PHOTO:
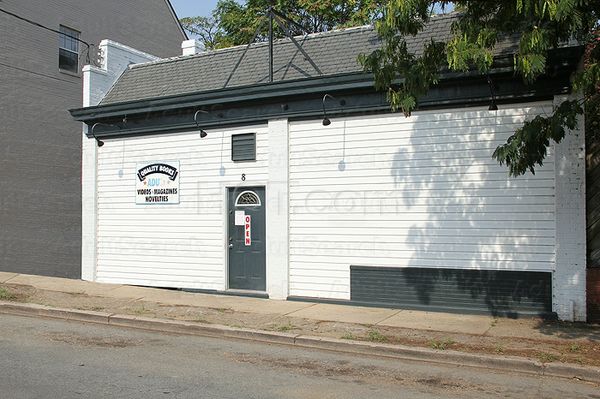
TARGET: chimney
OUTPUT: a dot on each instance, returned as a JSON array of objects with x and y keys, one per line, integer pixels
[{"x": 191, "y": 47}]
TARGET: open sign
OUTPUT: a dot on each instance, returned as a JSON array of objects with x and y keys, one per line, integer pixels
[{"x": 247, "y": 230}]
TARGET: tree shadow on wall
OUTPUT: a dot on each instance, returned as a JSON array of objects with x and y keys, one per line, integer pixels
[{"x": 478, "y": 235}]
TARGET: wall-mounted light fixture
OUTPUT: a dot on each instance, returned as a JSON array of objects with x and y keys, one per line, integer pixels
[
  {"x": 326, "y": 121},
  {"x": 98, "y": 141},
  {"x": 203, "y": 134},
  {"x": 493, "y": 106}
]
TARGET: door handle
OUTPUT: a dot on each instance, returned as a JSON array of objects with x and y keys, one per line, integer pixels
[{"x": 230, "y": 246}]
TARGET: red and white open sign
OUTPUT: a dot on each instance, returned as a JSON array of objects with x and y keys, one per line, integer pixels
[{"x": 247, "y": 229}]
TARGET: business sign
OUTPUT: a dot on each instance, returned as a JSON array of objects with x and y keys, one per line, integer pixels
[
  {"x": 157, "y": 183},
  {"x": 248, "y": 231}
]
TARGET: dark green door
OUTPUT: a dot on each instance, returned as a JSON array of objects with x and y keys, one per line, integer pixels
[{"x": 246, "y": 238}]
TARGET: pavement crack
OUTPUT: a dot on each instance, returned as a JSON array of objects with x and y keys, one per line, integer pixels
[
  {"x": 387, "y": 318},
  {"x": 297, "y": 310}
]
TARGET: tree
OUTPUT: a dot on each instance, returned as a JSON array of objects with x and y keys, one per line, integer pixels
[
  {"x": 542, "y": 25},
  {"x": 206, "y": 28},
  {"x": 235, "y": 24}
]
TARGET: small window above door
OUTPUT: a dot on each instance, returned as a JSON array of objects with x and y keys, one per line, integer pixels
[{"x": 247, "y": 198}]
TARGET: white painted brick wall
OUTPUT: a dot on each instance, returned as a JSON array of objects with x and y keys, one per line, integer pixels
[
  {"x": 190, "y": 47},
  {"x": 114, "y": 59},
  {"x": 569, "y": 279},
  {"x": 97, "y": 81}
]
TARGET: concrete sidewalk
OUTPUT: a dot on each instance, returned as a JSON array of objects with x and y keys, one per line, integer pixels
[
  {"x": 569, "y": 350},
  {"x": 319, "y": 312}
]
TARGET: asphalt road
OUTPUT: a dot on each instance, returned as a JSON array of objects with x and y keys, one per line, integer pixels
[{"x": 56, "y": 359}]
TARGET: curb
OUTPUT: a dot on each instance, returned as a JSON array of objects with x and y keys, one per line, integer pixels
[{"x": 504, "y": 363}]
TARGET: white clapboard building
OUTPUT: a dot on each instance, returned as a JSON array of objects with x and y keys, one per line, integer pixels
[{"x": 199, "y": 173}]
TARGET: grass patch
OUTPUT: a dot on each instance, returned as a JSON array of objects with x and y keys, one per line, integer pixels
[
  {"x": 285, "y": 327},
  {"x": 441, "y": 345},
  {"x": 141, "y": 310},
  {"x": 547, "y": 357},
  {"x": 91, "y": 308},
  {"x": 499, "y": 349},
  {"x": 376, "y": 336},
  {"x": 574, "y": 348},
  {"x": 6, "y": 295},
  {"x": 348, "y": 335}
]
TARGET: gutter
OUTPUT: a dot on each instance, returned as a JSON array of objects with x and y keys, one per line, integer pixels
[{"x": 226, "y": 96}]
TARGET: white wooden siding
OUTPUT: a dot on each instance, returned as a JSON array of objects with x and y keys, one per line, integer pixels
[
  {"x": 415, "y": 192},
  {"x": 170, "y": 245}
]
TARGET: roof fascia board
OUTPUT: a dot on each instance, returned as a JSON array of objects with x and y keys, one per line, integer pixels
[
  {"x": 446, "y": 95},
  {"x": 249, "y": 93},
  {"x": 228, "y": 95}
]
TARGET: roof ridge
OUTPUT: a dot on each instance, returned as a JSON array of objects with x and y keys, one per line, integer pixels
[
  {"x": 334, "y": 51},
  {"x": 279, "y": 41}
]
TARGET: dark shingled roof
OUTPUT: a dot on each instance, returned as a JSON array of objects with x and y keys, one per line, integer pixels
[{"x": 333, "y": 52}]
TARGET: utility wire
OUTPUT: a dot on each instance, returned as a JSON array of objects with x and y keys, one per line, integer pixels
[
  {"x": 34, "y": 72},
  {"x": 87, "y": 58}
]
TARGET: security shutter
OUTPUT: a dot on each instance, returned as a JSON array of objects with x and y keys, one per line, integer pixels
[{"x": 243, "y": 147}]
